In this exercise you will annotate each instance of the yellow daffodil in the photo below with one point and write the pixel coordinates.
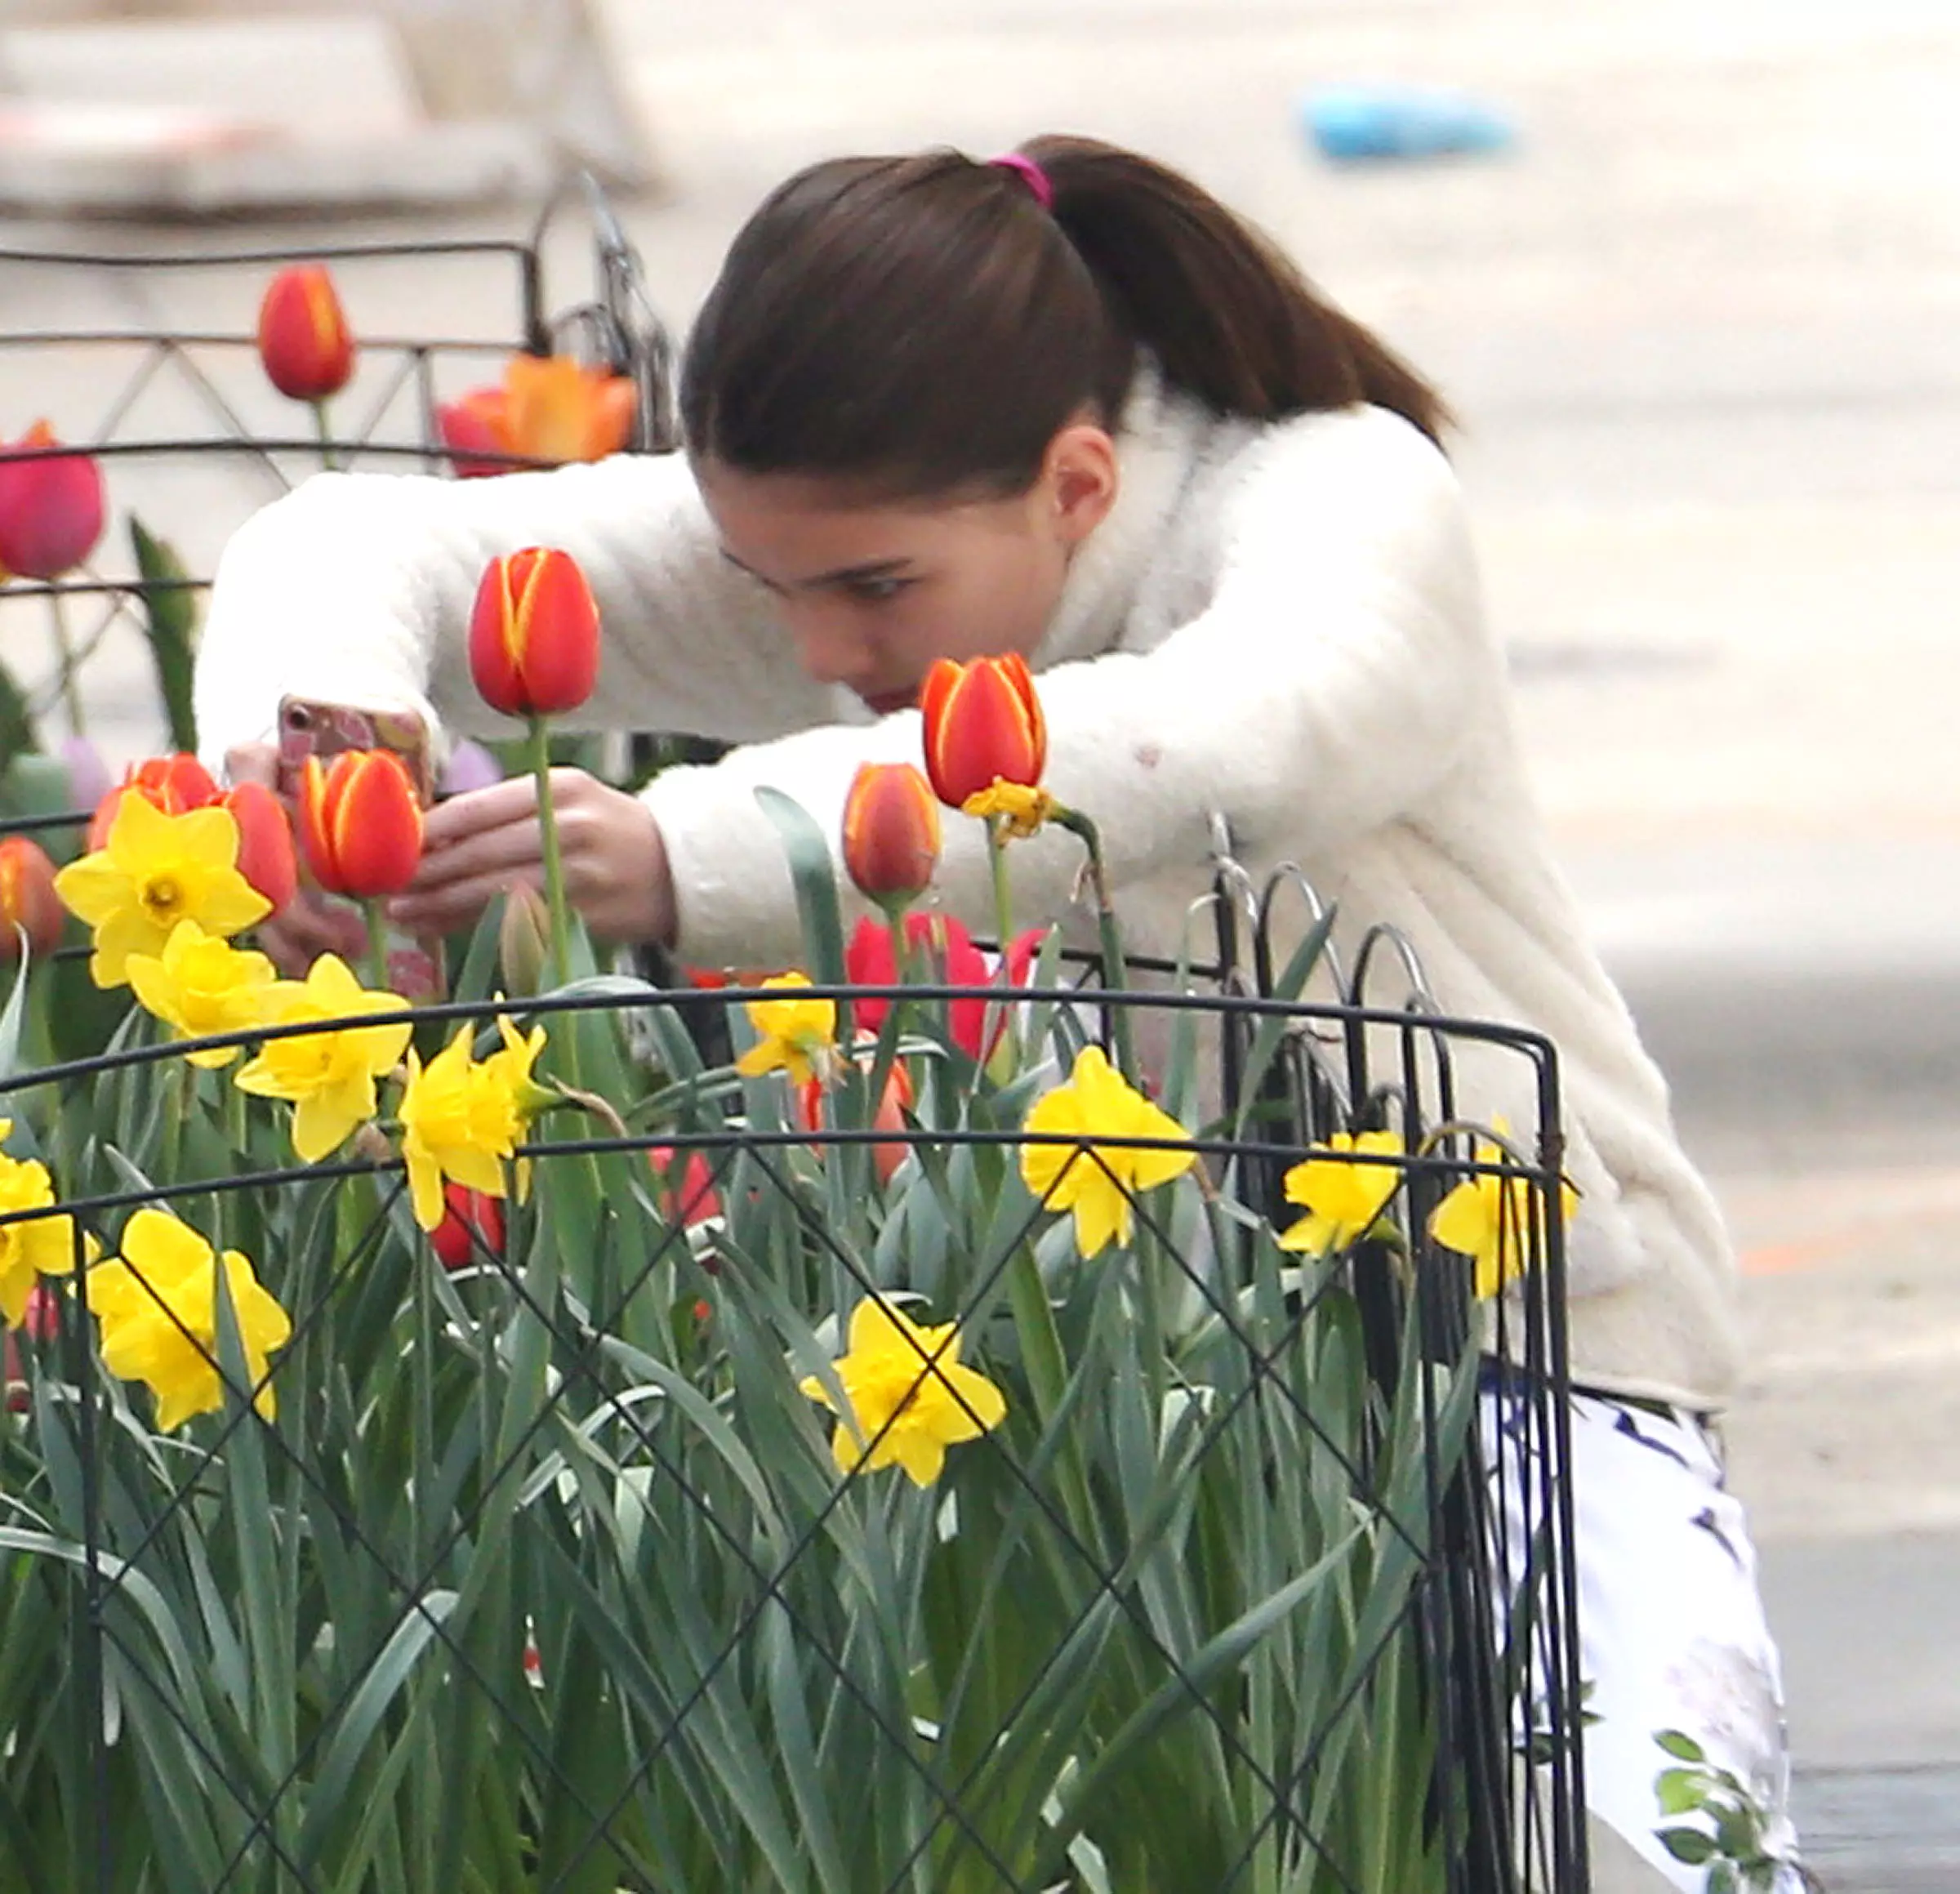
(1096, 1181)
(1342, 1198)
(796, 1035)
(328, 1076)
(157, 1302)
(154, 870)
(1022, 806)
(1492, 1218)
(462, 1120)
(34, 1247)
(908, 1396)
(200, 984)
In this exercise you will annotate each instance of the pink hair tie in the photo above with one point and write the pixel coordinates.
(1031, 174)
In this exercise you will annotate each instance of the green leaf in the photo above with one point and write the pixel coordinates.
(17, 736)
(380, 1683)
(170, 615)
(1679, 1791)
(1683, 1748)
(1687, 1844)
(814, 874)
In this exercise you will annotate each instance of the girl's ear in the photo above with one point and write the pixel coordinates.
(1079, 481)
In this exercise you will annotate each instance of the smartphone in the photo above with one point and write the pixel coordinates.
(309, 727)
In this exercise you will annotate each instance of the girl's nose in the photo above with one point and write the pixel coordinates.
(830, 646)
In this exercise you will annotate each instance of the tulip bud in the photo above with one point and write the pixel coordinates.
(891, 832)
(304, 340)
(984, 724)
(28, 900)
(472, 1224)
(534, 634)
(51, 506)
(360, 823)
(523, 940)
(266, 857)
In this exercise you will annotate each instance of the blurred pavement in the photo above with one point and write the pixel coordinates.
(1702, 326)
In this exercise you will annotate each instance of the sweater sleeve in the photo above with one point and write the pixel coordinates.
(1326, 687)
(357, 588)
(1329, 686)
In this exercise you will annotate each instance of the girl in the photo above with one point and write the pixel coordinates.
(1065, 404)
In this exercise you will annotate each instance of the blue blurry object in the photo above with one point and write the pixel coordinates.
(1374, 123)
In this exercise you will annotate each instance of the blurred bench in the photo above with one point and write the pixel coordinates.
(540, 67)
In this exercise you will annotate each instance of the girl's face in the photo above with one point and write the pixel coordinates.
(872, 594)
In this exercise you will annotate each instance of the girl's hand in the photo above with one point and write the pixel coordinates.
(307, 926)
(476, 845)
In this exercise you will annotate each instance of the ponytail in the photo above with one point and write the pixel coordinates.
(919, 326)
(1226, 313)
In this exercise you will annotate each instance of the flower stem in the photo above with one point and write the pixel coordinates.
(554, 866)
(1116, 970)
(329, 460)
(1004, 900)
(376, 912)
(68, 666)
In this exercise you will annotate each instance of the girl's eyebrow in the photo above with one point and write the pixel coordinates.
(844, 574)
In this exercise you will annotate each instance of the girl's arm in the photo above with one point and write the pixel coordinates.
(357, 588)
(1340, 673)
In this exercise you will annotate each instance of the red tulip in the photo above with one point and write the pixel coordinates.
(42, 1318)
(983, 725)
(472, 1227)
(944, 944)
(175, 784)
(28, 900)
(891, 832)
(360, 823)
(51, 506)
(534, 634)
(473, 428)
(692, 1198)
(304, 340)
(266, 857)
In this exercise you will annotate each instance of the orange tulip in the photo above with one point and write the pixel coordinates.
(534, 634)
(304, 340)
(360, 823)
(473, 1224)
(983, 725)
(50, 506)
(28, 900)
(266, 857)
(550, 408)
(891, 832)
(177, 784)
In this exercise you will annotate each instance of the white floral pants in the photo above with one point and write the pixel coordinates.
(1672, 1639)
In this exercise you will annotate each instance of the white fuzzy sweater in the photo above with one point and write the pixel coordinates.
(1279, 624)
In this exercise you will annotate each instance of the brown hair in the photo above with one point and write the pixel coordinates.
(923, 326)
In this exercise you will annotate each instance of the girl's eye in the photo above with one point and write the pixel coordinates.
(876, 591)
